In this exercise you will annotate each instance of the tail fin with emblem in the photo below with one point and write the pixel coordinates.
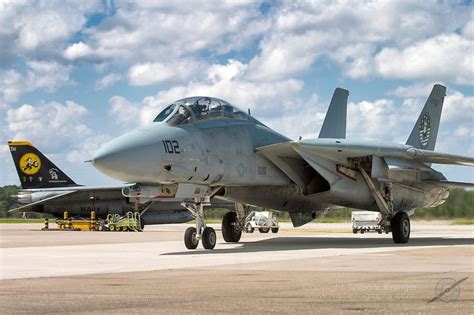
(36, 170)
(424, 133)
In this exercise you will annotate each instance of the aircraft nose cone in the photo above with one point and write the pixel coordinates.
(131, 157)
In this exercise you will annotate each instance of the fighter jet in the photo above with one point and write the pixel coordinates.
(47, 189)
(203, 147)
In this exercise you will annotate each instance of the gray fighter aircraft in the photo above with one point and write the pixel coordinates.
(202, 147)
(47, 189)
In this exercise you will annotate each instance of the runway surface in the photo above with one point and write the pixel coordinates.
(318, 268)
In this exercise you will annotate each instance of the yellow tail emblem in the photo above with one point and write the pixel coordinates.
(30, 163)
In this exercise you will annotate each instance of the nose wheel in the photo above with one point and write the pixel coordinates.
(208, 237)
(201, 232)
(190, 238)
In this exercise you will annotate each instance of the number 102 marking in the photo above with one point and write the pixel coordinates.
(171, 146)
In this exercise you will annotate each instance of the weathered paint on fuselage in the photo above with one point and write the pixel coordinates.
(221, 152)
(217, 152)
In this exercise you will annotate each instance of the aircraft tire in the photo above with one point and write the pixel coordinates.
(249, 228)
(112, 227)
(190, 240)
(275, 230)
(229, 232)
(400, 225)
(209, 238)
(264, 230)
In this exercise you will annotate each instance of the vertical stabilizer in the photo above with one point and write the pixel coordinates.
(424, 133)
(36, 170)
(334, 125)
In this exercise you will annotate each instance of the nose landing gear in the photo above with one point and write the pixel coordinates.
(207, 234)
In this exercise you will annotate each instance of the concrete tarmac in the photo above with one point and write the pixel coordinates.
(315, 269)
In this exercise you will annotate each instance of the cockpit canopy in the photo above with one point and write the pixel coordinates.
(200, 108)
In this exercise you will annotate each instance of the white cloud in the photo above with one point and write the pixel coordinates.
(11, 85)
(458, 108)
(419, 89)
(160, 32)
(59, 130)
(304, 32)
(125, 113)
(229, 82)
(157, 72)
(468, 29)
(108, 80)
(444, 57)
(378, 120)
(223, 81)
(76, 51)
(284, 55)
(42, 75)
(51, 125)
(388, 121)
(88, 147)
(40, 27)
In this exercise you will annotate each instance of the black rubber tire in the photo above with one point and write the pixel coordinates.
(229, 232)
(275, 230)
(264, 230)
(400, 225)
(112, 227)
(354, 231)
(209, 238)
(190, 240)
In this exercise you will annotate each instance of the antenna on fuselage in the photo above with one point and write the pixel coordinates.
(248, 110)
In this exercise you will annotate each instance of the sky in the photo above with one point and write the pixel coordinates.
(75, 74)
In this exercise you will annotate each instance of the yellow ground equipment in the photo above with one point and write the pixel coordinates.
(70, 224)
(130, 222)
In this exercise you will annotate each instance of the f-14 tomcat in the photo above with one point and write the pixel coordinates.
(202, 147)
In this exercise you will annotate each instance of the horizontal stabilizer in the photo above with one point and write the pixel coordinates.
(449, 184)
(427, 156)
(29, 206)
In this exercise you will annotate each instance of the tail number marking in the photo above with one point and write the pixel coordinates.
(171, 146)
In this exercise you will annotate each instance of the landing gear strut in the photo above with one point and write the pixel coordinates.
(399, 222)
(192, 236)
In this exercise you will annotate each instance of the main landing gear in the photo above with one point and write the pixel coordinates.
(400, 226)
(206, 234)
(231, 228)
(397, 222)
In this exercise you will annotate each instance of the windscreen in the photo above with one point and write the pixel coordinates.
(165, 113)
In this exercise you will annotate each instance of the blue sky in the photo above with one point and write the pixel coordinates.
(75, 74)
